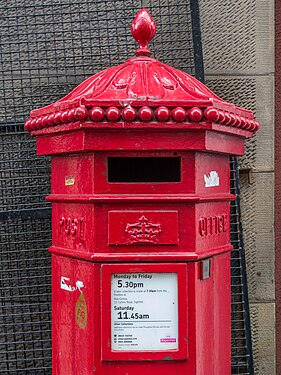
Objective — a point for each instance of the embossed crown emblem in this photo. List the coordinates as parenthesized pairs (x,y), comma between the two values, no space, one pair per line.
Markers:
(143,231)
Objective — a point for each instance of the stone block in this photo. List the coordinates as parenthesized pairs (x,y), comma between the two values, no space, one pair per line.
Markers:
(257,94)
(258,225)
(263,337)
(238,36)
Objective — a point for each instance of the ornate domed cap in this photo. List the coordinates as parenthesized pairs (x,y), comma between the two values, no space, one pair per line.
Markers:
(142,90)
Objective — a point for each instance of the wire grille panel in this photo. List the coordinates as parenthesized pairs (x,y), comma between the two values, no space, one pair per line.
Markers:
(25,292)
(47,48)
(242,356)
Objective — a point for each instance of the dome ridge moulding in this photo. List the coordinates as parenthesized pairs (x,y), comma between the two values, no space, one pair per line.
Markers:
(141,90)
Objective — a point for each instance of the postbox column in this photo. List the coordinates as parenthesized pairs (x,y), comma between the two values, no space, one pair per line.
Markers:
(141,219)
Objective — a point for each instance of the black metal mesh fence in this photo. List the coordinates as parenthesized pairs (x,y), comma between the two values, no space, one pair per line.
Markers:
(242,357)
(25,297)
(47,48)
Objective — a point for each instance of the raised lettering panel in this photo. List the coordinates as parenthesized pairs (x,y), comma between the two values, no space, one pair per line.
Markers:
(72,225)
(212,226)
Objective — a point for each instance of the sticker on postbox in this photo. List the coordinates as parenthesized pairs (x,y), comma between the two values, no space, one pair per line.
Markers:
(144,311)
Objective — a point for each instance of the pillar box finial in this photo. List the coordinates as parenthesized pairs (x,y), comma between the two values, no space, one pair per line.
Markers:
(143,29)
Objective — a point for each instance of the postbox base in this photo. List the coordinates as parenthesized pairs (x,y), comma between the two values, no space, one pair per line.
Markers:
(149,318)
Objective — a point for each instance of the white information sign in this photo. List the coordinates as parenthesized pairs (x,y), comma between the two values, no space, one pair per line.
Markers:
(144,311)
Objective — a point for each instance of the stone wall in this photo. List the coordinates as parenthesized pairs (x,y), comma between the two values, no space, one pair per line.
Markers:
(238,51)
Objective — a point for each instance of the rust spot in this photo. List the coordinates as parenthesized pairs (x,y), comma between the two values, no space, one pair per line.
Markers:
(81,312)
(168,358)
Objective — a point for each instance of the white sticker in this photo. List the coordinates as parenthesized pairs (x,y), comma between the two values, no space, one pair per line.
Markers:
(212,179)
(144,311)
(69,180)
(66,285)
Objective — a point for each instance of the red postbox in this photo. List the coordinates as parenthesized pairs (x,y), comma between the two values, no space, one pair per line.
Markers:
(140,219)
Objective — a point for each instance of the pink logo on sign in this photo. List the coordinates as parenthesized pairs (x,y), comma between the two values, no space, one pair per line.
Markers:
(168,339)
